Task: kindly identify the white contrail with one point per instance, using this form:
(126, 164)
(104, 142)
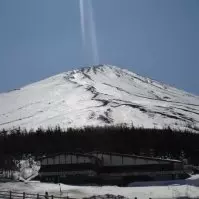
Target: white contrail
(88, 26)
(82, 19)
(93, 33)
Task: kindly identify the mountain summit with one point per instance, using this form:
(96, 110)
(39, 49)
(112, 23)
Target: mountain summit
(97, 96)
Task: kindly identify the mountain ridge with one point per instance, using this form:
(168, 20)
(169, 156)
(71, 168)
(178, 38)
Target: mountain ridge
(96, 96)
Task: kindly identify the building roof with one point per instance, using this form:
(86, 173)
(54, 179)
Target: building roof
(135, 156)
(68, 153)
(91, 155)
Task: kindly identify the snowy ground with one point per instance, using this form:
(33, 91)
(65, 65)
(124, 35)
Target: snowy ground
(189, 187)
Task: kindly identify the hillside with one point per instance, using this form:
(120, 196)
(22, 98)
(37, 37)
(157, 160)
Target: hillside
(97, 96)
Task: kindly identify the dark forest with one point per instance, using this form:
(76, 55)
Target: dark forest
(165, 143)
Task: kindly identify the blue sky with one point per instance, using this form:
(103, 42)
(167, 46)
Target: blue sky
(158, 39)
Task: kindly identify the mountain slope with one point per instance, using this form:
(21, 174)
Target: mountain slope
(99, 95)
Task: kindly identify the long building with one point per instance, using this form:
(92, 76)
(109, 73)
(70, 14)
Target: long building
(108, 168)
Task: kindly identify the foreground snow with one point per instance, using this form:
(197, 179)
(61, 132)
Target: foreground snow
(99, 95)
(189, 188)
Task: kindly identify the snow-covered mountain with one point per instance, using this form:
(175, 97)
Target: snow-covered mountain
(99, 95)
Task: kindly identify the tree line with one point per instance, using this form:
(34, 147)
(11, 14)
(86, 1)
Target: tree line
(165, 143)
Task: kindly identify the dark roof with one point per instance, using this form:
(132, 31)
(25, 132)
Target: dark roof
(68, 153)
(135, 156)
(91, 155)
